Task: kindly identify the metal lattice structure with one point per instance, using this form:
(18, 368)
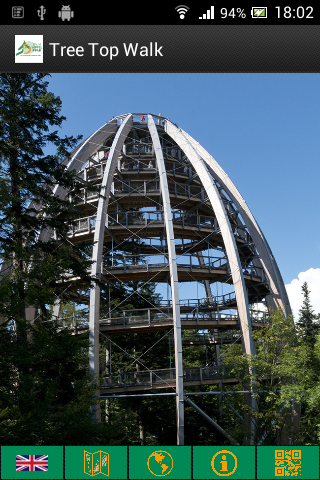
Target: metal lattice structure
(159, 188)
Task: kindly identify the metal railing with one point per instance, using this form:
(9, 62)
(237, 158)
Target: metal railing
(83, 225)
(208, 337)
(150, 317)
(128, 218)
(224, 300)
(155, 378)
(137, 186)
(146, 218)
(125, 261)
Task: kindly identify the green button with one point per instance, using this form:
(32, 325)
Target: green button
(160, 462)
(288, 462)
(12, 462)
(98, 462)
(223, 462)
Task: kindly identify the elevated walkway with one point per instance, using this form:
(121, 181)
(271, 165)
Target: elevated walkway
(193, 226)
(194, 316)
(159, 379)
(155, 268)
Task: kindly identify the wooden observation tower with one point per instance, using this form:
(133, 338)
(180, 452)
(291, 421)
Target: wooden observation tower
(157, 187)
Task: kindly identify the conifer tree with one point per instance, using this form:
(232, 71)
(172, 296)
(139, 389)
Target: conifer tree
(33, 262)
(45, 392)
(307, 318)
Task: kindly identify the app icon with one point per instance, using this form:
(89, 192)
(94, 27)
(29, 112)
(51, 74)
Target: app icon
(28, 48)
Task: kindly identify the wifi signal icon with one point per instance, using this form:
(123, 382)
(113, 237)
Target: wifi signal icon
(182, 10)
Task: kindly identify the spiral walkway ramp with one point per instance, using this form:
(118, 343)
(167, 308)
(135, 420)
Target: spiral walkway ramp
(193, 235)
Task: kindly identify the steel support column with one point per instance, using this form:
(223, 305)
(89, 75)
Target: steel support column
(173, 278)
(94, 312)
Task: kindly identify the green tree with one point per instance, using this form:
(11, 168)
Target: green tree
(286, 376)
(279, 375)
(33, 262)
(42, 383)
(307, 319)
(45, 394)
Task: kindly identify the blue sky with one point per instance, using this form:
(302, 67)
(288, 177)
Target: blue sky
(263, 129)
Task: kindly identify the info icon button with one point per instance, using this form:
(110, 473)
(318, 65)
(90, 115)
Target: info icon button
(224, 462)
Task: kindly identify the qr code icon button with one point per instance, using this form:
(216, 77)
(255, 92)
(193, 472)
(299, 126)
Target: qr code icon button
(287, 463)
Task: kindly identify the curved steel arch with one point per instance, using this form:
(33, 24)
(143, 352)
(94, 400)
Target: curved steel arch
(226, 231)
(94, 311)
(173, 278)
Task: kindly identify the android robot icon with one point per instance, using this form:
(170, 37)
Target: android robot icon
(65, 13)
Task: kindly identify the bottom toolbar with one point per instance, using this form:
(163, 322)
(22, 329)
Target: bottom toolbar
(174, 462)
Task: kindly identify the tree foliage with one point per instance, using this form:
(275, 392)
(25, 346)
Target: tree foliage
(44, 384)
(44, 389)
(33, 262)
(286, 377)
(309, 326)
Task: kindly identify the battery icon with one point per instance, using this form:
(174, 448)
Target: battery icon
(259, 12)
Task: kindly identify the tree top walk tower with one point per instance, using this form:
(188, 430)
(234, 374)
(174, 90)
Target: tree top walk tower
(160, 189)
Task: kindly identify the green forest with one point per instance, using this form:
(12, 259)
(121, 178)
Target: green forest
(46, 392)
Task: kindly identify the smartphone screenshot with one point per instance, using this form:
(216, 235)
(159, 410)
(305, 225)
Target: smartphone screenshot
(159, 241)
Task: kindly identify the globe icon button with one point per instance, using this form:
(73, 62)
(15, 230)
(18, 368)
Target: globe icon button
(160, 463)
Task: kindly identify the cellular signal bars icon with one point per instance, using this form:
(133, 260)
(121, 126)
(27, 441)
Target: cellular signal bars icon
(209, 15)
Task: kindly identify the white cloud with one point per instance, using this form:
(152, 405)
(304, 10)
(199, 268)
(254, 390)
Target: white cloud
(312, 277)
